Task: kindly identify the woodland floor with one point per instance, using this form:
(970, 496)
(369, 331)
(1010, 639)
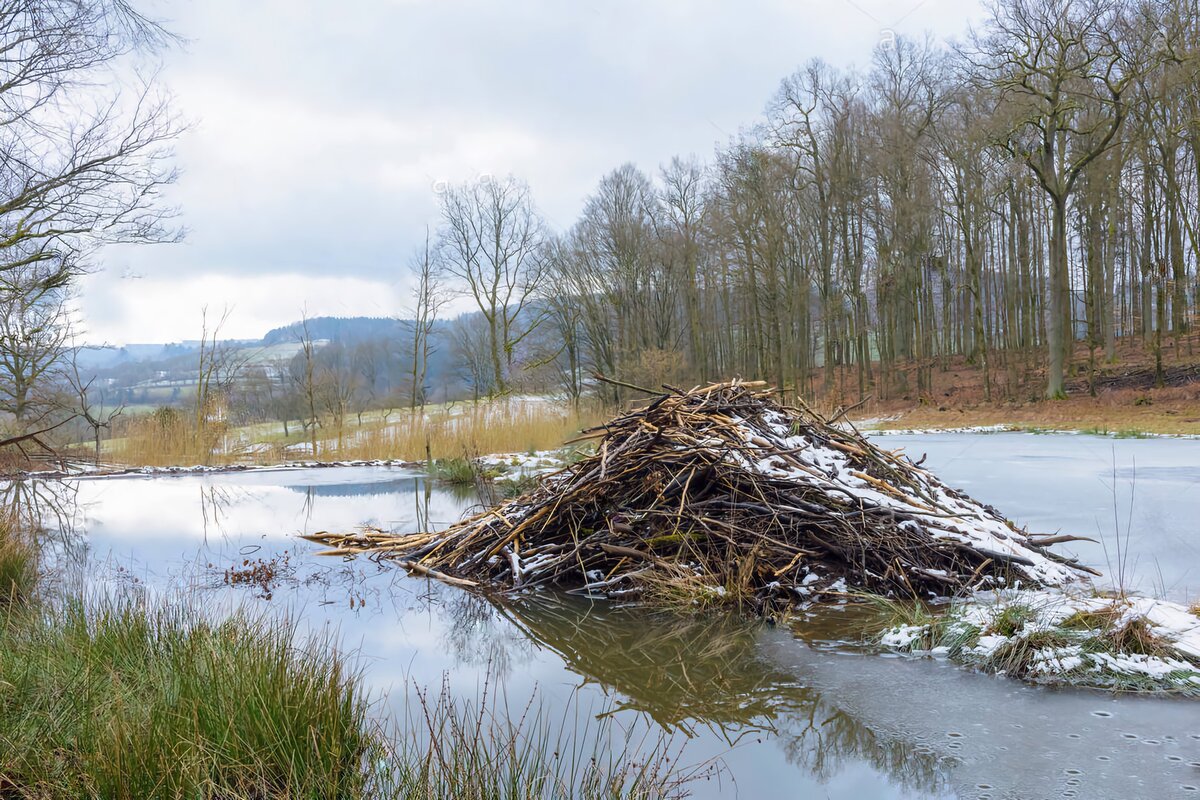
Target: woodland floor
(1125, 399)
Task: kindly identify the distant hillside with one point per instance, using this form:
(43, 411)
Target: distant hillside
(108, 356)
(347, 330)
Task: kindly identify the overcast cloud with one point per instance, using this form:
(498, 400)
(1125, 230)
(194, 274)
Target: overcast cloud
(321, 130)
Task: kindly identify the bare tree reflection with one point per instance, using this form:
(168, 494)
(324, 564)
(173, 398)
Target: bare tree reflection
(45, 505)
(475, 638)
(51, 512)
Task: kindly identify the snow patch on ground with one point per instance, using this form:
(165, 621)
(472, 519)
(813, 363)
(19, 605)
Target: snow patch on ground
(1064, 636)
(517, 466)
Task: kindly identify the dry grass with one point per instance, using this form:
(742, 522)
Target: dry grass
(956, 397)
(166, 437)
(1135, 636)
(1120, 412)
(169, 438)
(502, 427)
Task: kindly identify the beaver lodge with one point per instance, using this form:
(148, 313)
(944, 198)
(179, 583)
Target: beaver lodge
(722, 489)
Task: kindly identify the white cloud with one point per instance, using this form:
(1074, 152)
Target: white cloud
(130, 310)
(322, 130)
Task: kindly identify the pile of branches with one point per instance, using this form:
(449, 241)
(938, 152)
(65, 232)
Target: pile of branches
(722, 489)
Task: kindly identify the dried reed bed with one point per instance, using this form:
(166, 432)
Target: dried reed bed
(504, 426)
(169, 438)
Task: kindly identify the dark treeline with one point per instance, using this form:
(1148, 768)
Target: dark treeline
(1004, 200)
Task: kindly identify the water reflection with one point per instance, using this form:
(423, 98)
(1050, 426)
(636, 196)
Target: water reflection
(707, 672)
(42, 505)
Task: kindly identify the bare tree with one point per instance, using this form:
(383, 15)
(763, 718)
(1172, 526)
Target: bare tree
(304, 377)
(336, 384)
(82, 159)
(89, 402)
(564, 333)
(428, 299)
(33, 335)
(469, 334)
(219, 363)
(1060, 75)
(489, 240)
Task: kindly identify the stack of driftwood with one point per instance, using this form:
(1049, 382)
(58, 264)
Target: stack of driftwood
(721, 488)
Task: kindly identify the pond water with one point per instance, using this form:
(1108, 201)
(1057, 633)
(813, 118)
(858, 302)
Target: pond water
(787, 715)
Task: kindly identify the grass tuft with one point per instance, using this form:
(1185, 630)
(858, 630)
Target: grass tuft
(485, 749)
(1010, 619)
(456, 471)
(18, 566)
(124, 701)
(1135, 636)
(1017, 655)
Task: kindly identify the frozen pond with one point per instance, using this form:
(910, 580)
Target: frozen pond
(1140, 498)
(787, 716)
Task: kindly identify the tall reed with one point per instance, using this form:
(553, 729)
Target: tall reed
(451, 748)
(18, 565)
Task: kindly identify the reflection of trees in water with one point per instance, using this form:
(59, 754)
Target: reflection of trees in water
(475, 638)
(691, 670)
(44, 506)
(216, 500)
(50, 511)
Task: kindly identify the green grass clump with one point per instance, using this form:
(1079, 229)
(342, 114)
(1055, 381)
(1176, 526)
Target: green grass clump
(122, 701)
(1017, 656)
(515, 487)
(1010, 619)
(18, 567)
(886, 612)
(455, 471)
(941, 627)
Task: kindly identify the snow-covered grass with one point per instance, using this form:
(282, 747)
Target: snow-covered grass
(1120, 643)
(93, 472)
(516, 473)
(531, 461)
(919, 431)
(869, 428)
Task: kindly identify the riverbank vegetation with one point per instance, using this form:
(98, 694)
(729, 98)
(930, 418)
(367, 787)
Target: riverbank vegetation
(1122, 643)
(446, 432)
(121, 698)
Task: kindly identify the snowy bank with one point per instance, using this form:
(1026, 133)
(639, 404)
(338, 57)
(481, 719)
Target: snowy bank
(1056, 636)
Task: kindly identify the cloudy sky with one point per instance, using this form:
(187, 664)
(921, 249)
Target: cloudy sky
(322, 131)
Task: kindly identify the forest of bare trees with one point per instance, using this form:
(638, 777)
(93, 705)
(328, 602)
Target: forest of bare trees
(1023, 200)
(1023, 203)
